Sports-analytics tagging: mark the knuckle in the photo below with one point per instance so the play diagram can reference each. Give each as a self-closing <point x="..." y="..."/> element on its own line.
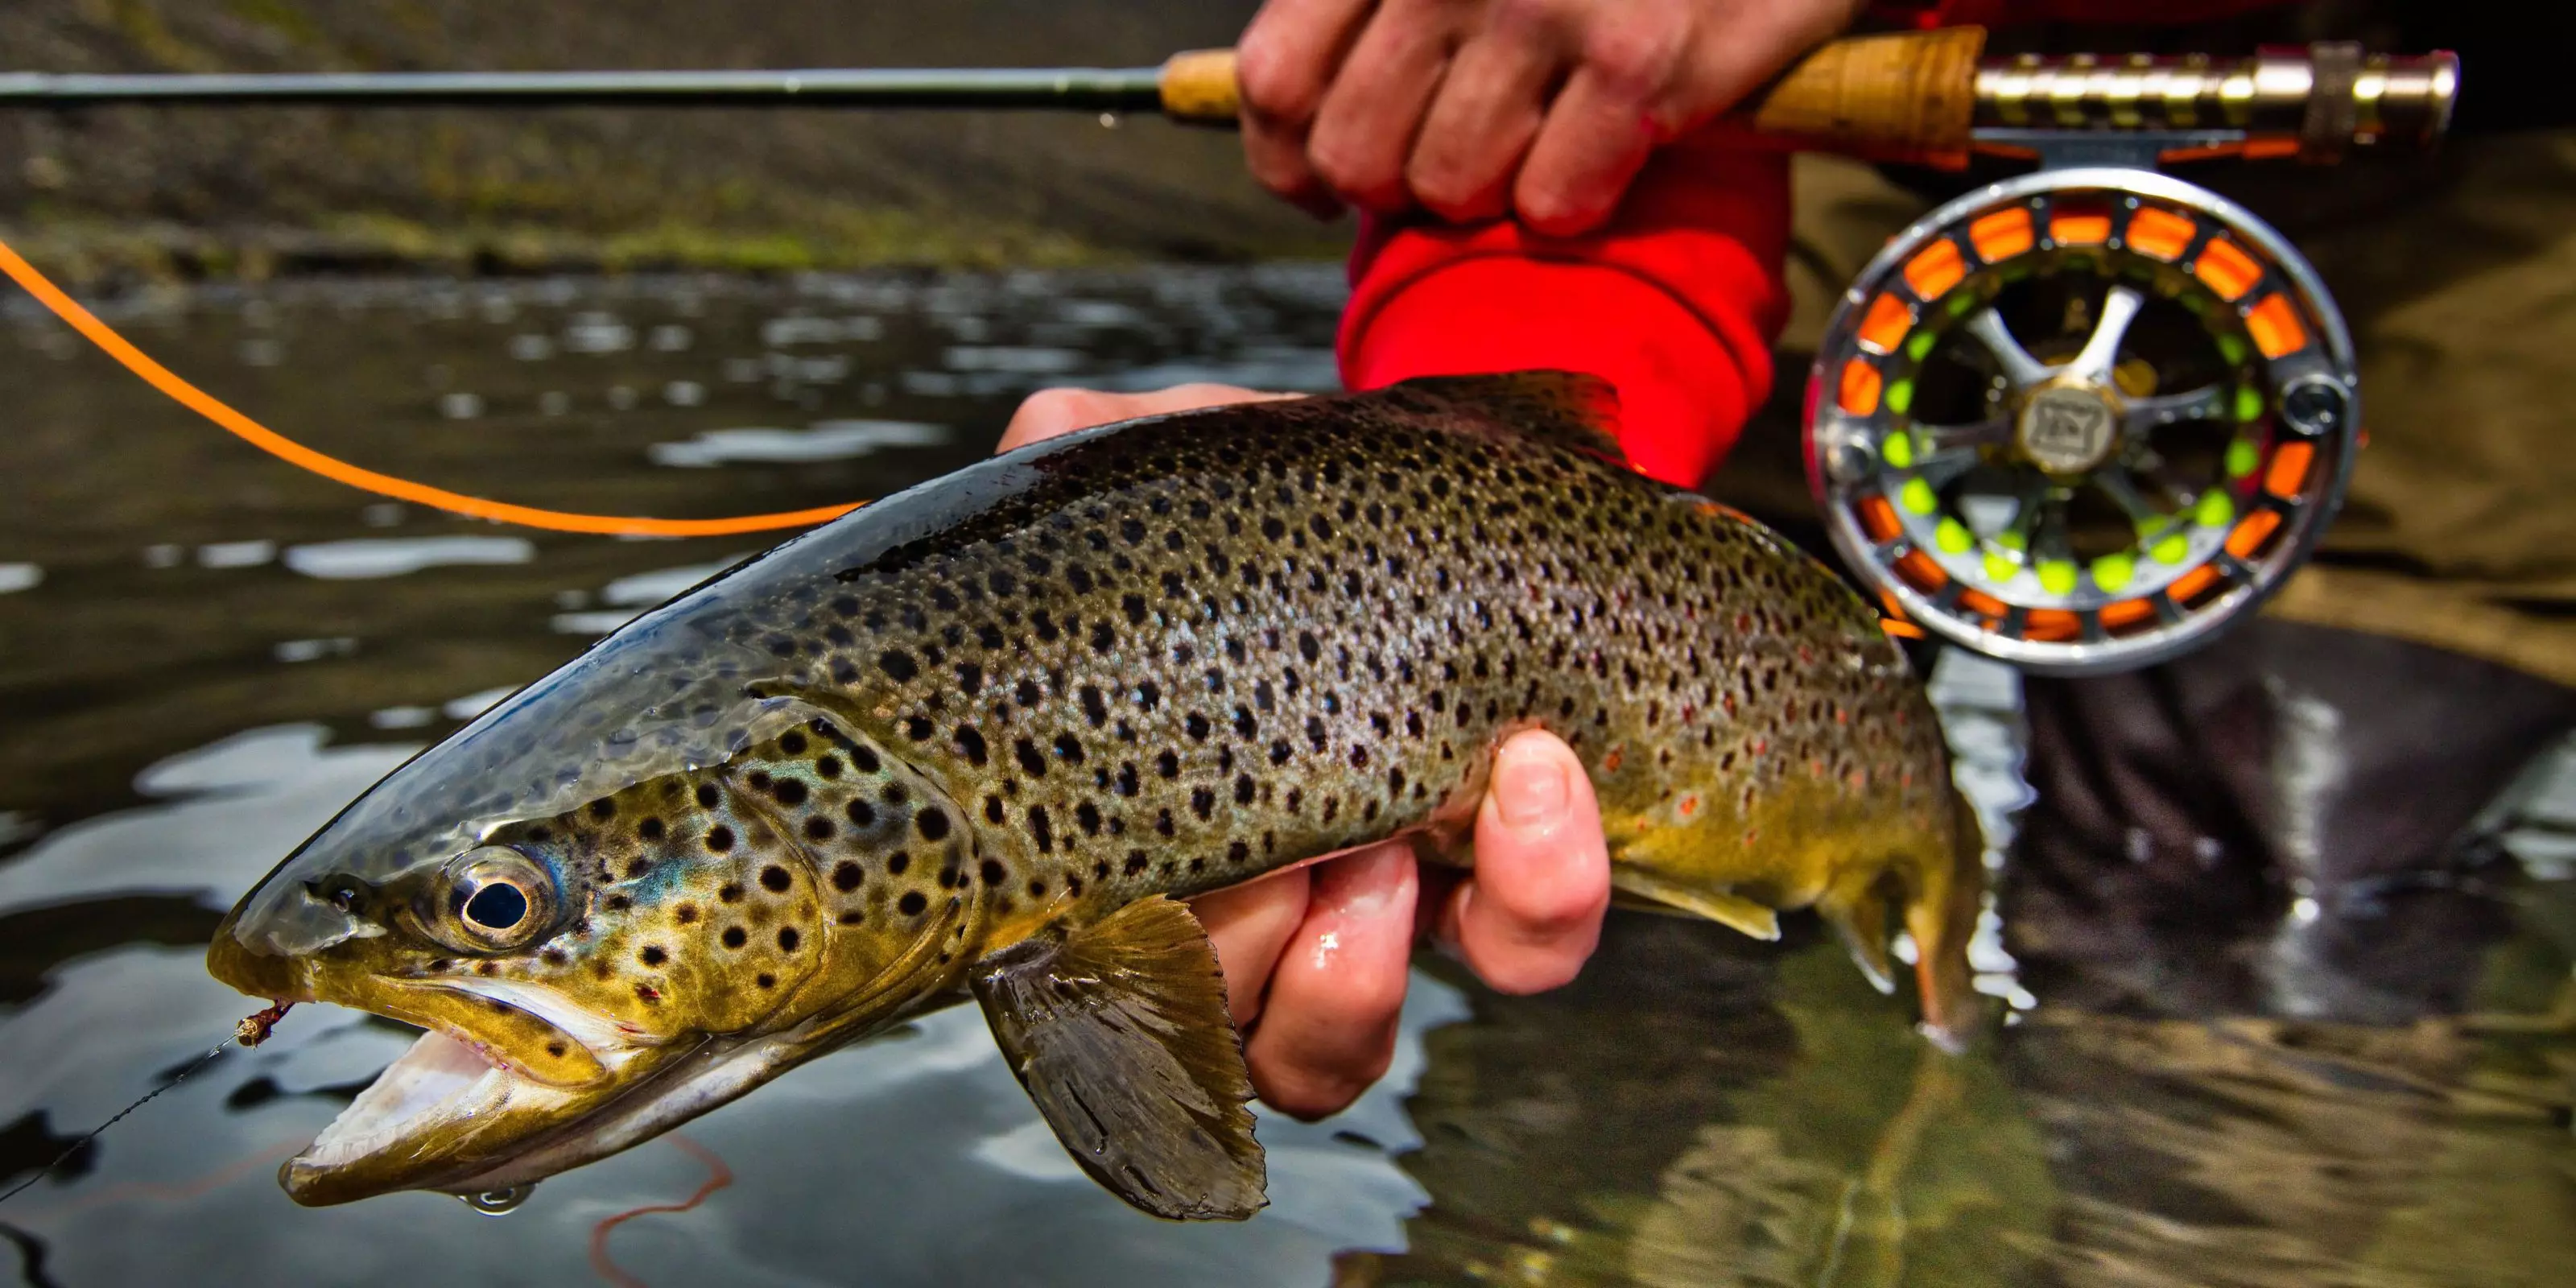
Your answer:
<point x="1523" y="18"/>
<point x="1632" y="62"/>
<point x="1349" y="168"/>
<point x="1444" y="187"/>
<point x="1275" y="86"/>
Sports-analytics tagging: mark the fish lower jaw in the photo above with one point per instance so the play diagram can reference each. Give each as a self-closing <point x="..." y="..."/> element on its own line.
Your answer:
<point x="441" y="1079"/>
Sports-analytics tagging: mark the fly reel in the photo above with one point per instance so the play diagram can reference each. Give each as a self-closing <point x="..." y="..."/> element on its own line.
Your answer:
<point x="2083" y="419"/>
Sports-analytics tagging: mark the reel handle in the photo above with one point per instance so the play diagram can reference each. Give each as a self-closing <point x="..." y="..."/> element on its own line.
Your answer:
<point x="1928" y="97"/>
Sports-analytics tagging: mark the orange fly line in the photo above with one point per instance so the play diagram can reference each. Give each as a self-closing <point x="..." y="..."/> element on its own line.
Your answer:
<point x="339" y="471"/>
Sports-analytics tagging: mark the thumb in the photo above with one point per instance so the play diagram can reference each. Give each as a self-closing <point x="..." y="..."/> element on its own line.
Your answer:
<point x="1532" y="912"/>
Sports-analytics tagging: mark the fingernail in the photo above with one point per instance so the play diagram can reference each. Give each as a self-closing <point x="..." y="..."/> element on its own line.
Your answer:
<point x="1529" y="788"/>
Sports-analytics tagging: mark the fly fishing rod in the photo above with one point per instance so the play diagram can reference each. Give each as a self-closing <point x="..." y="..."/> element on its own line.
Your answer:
<point x="2079" y="420"/>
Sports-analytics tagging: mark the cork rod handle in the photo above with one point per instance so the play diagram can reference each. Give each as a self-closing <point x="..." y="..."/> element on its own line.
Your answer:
<point x="1900" y="96"/>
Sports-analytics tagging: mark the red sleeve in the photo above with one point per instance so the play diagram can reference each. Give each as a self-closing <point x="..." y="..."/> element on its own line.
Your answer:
<point x="1675" y="302"/>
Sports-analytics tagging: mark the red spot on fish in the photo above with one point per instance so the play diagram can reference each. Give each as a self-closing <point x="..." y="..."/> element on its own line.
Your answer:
<point x="1690" y="805"/>
<point x="1761" y="745"/>
<point x="1610" y="762"/>
<point x="1751" y="834"/>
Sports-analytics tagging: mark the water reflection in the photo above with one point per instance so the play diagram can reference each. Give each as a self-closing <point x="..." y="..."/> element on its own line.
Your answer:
<point x="198" y="669"/>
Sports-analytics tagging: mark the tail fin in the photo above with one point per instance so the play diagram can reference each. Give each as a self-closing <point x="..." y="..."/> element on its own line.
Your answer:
<point x="1941" y="913"/>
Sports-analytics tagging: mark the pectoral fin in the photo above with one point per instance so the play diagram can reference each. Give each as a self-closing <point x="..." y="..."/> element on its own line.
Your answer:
<point x="1729" y="909"/>
<point x="1120" y="1032"/>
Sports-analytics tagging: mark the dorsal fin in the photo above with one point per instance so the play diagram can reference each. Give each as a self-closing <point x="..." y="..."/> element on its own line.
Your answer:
<point x="1574" y="408"/>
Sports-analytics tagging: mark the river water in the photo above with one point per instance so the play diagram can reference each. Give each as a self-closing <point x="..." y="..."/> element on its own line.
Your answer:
<point x="204" y="654"/>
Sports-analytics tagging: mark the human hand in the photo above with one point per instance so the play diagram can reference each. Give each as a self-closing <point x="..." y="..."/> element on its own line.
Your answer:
<point x="1316" y="959"/>
<point x="1472" y="109"/>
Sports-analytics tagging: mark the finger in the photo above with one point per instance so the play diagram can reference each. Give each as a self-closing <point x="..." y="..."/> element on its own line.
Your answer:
<point x="1596" y="137"/>
<point x="1328" y="1026"/>
<point x="1531" y="914"/>
<point x="1373" y="111"/>
<point x="1482" y="121"/>
<point x="1250" y="924"/>
<point x="1285" y="60"/>
<point x="1049" y="412"/>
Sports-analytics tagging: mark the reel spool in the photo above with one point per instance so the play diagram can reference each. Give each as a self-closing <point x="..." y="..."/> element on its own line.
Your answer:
<point x="2082" y="419"/>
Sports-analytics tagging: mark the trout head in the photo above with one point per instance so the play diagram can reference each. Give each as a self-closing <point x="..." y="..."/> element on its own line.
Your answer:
<point x="595" y="975"/>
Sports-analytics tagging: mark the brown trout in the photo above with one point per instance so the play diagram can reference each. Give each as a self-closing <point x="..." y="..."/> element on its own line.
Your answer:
<point x="980" y="737"/>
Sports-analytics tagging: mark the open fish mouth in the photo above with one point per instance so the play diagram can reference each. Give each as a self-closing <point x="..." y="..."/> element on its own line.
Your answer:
<point x="457" y="1104"/>
<point x="439" y="1079"/>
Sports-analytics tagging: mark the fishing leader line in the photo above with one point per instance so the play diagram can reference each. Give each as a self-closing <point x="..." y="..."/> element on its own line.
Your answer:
<point x="62" y="305"/>
<point x="249" y="1033"/>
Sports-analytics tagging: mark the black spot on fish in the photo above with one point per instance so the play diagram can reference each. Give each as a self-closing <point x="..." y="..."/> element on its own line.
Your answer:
<point x="1068" y="748"/>
<point x="898" y="665"/>
<point x="603" y="808"/>
<point x="1031" y="763"/>
<point x="971" y="741"/>
<point x="1237" y="852"/>
<point x="1087" y="815"/>
<point x="818" y="828"/>
<point x="708" y="796"/>
<point x="731" y="893"/>
<point x="911" y="904"/>
<point x="789" y="792"/>
<point x="861" y="814"/>
<point x="863" y="759"/>
<point x="765" y="980"/>
<point x="788" y="939"/>
<point x="775" y="879"/>
<point x="652" y="955"/>
<point x="650" y="829"/>
<point x="1243" y="788"/>
<point x="1095" y="707"/>
<point x="898" y="861"/>
<point x="970" y="678"/>
<point x="1167" y="764"/>
<point x="931" y="822"/>
<point x="685" y="913"/>
<point x="792" y="742"/>
<point x="1202" y="802"/>
<point x="720" y="838"/>
<point x="1135" y="862"/>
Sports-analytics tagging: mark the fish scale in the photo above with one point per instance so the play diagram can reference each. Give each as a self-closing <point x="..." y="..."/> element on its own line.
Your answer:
<point x="973" y="736"/>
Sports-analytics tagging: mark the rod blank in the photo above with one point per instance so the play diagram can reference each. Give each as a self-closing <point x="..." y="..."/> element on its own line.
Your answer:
<point x="1095" y="89"/>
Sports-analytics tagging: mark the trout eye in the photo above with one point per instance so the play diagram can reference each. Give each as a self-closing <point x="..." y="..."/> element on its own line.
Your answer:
<point x="497" y="908"/>
<point x="496" y="899"/>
